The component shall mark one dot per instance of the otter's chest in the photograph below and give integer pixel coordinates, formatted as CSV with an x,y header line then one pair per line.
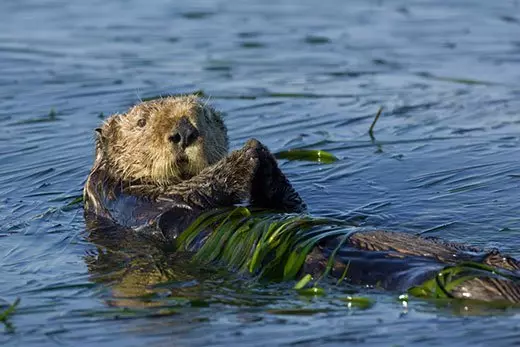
x,y
132,211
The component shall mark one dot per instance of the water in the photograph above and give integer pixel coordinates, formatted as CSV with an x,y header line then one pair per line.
x,y
292,74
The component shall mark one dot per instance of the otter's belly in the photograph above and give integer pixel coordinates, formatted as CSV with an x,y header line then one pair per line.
x,y
131,211
159,219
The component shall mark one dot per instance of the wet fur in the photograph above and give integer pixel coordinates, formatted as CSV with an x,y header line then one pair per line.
x,y
144,154
133,149
137,180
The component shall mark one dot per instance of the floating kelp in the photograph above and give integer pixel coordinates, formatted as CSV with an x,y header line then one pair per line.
x,y
274,246
7,313
454,281
307,155
259,242
359,302
376,118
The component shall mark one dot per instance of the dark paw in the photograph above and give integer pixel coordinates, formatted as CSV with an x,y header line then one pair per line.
x,y
270,188
255,149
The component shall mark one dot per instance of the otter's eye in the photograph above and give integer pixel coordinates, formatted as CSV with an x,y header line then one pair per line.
x,y
141,122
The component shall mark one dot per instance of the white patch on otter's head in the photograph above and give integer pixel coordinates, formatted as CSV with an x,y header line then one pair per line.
x,y
143,144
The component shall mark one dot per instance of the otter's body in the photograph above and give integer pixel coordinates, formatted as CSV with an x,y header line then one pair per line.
x,y
162,164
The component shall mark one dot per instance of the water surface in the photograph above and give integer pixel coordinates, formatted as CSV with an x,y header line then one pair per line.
x,y
294,74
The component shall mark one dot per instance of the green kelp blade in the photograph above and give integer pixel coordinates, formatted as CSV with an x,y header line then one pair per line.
x,y
277,247
266,244
442,285
332,257
303,282
9,310
269,241
358,302
312,291
214,246
294,237
241,245
307,155
207,220
302,248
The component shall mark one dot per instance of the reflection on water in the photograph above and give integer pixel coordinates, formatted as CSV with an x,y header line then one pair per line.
x,y
443,160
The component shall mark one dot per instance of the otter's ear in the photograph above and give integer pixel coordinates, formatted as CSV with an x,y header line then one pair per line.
x,y
99,142
109,128
99,135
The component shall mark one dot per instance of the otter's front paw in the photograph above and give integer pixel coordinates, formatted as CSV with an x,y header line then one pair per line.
x,y
270,188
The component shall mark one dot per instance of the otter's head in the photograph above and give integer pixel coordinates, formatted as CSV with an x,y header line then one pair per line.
x,y
162,141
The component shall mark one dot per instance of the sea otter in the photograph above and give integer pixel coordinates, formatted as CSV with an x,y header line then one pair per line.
x,y
164,162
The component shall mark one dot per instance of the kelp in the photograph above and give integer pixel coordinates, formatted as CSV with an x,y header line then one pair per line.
x,y
307,155
274,246
258,242
7,313
442,287
376,118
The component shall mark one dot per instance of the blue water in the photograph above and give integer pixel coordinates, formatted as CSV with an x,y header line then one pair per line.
x,y
294,74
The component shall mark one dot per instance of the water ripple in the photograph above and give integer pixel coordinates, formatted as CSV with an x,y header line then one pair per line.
x,y
294,75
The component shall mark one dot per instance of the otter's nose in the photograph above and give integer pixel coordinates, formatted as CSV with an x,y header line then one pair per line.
x,y
184,134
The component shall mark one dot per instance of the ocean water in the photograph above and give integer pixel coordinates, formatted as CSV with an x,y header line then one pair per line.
x,y
294,74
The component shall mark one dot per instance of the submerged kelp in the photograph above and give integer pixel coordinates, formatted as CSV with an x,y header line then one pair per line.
x,y
6,313
277,247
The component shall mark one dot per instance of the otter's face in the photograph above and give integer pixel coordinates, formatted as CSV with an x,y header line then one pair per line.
x,y
162,141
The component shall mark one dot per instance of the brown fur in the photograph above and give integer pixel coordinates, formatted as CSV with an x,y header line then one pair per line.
x,y
135,157
134,148
144,154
